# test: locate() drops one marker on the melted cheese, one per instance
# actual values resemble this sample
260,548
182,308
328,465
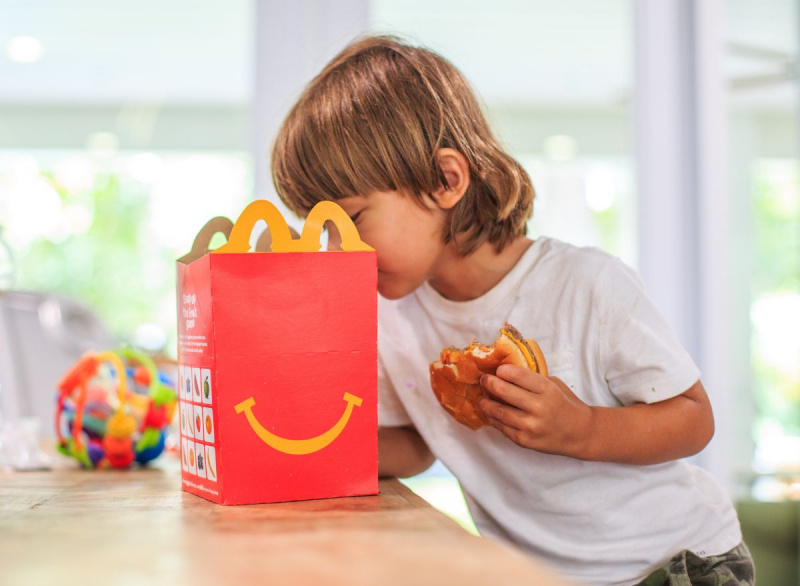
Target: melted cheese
523,348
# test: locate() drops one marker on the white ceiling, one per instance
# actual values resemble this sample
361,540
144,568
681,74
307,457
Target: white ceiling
195,51
516,51
200,51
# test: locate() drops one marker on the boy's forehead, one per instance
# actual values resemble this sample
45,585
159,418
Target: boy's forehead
354,203
351,201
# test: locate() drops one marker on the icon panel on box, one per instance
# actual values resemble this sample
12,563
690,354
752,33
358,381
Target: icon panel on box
192,456
189,420
184,454
196,417
182,410
211,463
186,386
200,460
197,384
206,388
208,425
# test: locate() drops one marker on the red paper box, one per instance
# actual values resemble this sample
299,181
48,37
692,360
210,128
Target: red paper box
278,363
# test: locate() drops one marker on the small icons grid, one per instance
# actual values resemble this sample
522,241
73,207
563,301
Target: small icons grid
198,452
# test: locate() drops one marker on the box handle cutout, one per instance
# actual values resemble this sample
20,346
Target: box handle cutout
282,240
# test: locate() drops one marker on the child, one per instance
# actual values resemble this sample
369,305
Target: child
582,469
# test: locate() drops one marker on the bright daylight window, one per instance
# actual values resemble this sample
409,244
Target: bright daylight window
125,128
775,321
764,123
588,201
106,227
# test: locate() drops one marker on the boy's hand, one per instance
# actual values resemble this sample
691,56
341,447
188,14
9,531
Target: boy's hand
536,412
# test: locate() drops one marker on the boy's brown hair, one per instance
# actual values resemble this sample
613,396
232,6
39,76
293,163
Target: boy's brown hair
374,119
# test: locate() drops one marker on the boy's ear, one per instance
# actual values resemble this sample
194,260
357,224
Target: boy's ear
456,172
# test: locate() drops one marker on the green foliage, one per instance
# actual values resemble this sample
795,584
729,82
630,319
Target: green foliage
608,222
776,235
113,267
777,396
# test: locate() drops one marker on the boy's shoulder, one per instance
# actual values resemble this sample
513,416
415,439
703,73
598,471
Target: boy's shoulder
601,279
550,269
572,262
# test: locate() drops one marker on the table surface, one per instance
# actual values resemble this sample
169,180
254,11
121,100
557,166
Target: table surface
68,526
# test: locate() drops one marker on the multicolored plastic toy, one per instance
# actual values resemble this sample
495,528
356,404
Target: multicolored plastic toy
113,416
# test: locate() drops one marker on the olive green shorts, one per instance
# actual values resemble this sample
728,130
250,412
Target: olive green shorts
687,569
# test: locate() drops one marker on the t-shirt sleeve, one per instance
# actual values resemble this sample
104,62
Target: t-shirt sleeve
639,354
391,412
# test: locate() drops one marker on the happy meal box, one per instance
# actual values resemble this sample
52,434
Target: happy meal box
278,362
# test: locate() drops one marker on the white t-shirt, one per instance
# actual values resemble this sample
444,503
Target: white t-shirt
594,522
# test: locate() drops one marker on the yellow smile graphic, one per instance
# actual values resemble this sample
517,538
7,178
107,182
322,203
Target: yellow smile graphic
293,446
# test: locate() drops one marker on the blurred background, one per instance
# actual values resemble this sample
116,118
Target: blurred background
663,132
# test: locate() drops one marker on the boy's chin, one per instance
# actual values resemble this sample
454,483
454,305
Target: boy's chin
391,295
393,291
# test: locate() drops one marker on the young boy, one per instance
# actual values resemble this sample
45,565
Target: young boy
582,469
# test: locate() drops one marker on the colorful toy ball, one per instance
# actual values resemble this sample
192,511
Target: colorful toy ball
112,420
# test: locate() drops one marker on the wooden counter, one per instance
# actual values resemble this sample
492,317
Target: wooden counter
69,526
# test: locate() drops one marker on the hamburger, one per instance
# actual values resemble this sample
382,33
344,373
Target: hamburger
455,377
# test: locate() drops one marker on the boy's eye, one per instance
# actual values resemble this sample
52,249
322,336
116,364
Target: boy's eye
354,217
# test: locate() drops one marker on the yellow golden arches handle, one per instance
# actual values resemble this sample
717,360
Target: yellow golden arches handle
282,240
293,446
319,214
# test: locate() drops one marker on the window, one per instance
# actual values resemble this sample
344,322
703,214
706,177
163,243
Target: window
125,128
765,181
107,229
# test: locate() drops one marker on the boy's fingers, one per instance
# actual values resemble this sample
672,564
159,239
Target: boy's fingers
522,377
505,391
515,435
505,414
561,384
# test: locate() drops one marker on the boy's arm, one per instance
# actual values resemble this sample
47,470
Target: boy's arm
543,414
402,452
651,433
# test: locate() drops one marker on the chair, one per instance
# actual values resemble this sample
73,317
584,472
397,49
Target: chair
41,336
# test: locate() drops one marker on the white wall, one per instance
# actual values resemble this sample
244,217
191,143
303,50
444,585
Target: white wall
685,237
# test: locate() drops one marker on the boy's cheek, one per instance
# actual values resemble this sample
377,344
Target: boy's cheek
334,239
